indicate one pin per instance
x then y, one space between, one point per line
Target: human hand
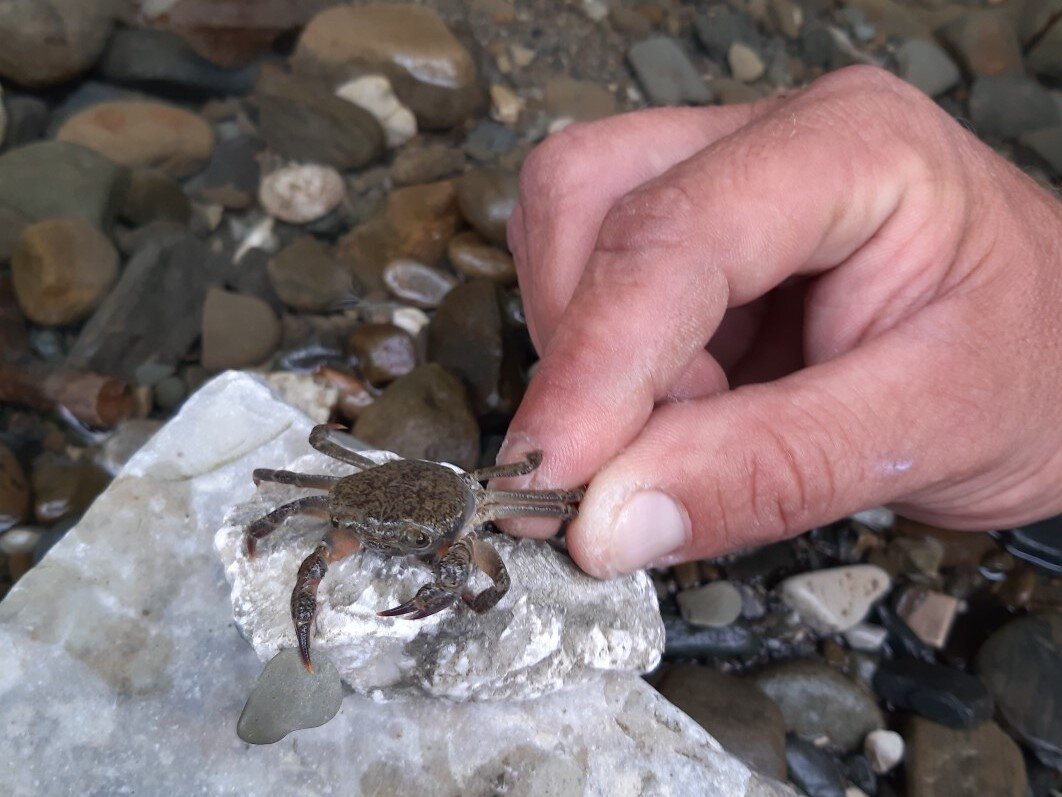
756 319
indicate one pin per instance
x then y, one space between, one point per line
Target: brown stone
487 198
45 42
942 762
426 164
14 490
63 489
987 43
384 352
306 277
431 71
238 330
416 223
581 100
61 269
143 134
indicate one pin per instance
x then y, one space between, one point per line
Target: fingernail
651 526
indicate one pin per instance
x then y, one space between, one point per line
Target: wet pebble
476 258
301 193
19 540
733 710
942 694
714 605
426 164
667 74
579 100
14 490
884 750
47 42
375 95
858 770
143 134
306 277
815 772
238 330
835 599
63 488
488 141
416 283
986 42
384 352
944 762
487 198
231 178
1008 105
423 415
287 698
1022 667
745 63
683 640
820 703
928 66
61 270
170 393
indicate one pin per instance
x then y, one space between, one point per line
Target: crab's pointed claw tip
309 668
404 608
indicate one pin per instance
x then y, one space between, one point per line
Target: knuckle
554 169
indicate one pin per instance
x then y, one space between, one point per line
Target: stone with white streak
556 627
375 95
120 669
833 600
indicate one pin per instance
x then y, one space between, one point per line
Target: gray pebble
666 73
926 65
287 698
714 605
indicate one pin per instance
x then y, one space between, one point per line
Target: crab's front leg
452 572
334 547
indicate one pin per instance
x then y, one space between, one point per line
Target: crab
406 507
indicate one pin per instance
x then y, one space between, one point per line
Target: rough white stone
301 193
884 750
556 626
121 672
310 394
879 518
375 95
835 599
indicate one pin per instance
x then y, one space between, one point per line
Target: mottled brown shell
405 491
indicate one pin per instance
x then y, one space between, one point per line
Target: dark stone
467 336
814 771
719 27
423 415
488 141
14 490
301 120
12 223
231 177
27 119
384 352
1006 106
47 42
733 710
765 565
1046 143
54 179
154 312
164 63
1040 544
426 164
818 702
306 276
938 693
817 46
1022 666
487 198
685 641
64 489
155 196
942 762
901 640
861 774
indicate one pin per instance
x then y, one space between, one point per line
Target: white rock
884 749
556 627
835 599
745 63
375 95
119 664
310 394
595 10
20 539
866 637
505 105
301 193
879 518
411 319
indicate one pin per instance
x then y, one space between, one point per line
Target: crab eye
421 540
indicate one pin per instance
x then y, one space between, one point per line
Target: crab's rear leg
321 439
488 560
335 546
530 461
309 480
316 505
452 572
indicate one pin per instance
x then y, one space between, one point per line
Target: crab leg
488 560
335 546
452 572
316 505
531 460
509 510
310 480
320 438
535 496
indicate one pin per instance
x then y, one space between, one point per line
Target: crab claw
428 600
252 545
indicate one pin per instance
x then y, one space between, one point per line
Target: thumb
771 460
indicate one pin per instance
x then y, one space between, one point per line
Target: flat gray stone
120 669
926 65
287 698
666 73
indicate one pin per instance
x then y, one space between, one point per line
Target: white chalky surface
122 672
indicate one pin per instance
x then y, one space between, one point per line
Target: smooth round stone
941 694
61 270
1022 666
302 193
943 762
170 392
143 134
733 710
928 66
45 42
685 641
155 196
411 319
1008 105
287 698
714 605
238 330
416 283
426 164
64 489
423 415
819 702
375 95
19 540
487 198
475 258
745 63
814 771
14 490
306 277
581 100
835 599
667 74
884 750
384 352
987 42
